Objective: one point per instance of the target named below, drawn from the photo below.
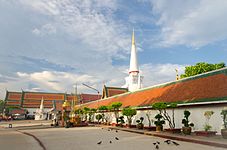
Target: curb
(203, 142)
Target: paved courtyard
(86, 138)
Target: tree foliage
(129, 113)
(161, 107)
(201, 67)
(115, 107)
(2, 103)
(102, 109)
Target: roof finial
(177, 75)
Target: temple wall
(197, 116)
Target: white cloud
(53, 80)
(90, 21)
(45, 29)
(160, 73)
(63, 81)
(193, 23)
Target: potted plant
(162, 108)
(224, 117)
(116, 107)
(159, 122)
(186, 129)
(207, 126)
(98, 117)
(91, 113)
(140, 124)
(102, 110)
(121, 121)
(129, 113)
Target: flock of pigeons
(116, 138)
(156, 144)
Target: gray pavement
(86, 138)
(13, 140)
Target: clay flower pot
(224, 133)
(187, 130)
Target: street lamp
(94, 90)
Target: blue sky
(49, 45)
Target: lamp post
(94, 90)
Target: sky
(51, 45)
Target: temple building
(31, 101)
(199, 93)
(134, 80)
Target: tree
(103, 109)
(91, 113)
(161, 107)
(2, 104)
(201, 67)
(148, 115)
(98, 117)
(115, 107)
(129, 113)
(86, 111)
(107, 115)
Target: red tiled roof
(47, 96)
(207, 86)
(89, 97)
(112, 91)
(33, 99)
(14, 96)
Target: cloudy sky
(50, 45)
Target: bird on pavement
(167, 141)
(175, 143)
(99, 142)
(116, 138)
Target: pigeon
(116, 138)
(110, 141)
(99, 142)
(167, 141)
(175, 143)
(157, 147)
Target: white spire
(133, 59)
(41, 105)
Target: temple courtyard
(38, 136)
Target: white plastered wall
(197, 116)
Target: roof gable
(112, 91)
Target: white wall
(31, 110)
(197, 117)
